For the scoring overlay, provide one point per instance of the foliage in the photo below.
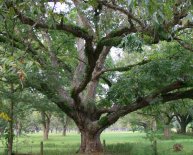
(4, 116)
(131, 43)
(60, 58)
(151, 136)
(143, 80)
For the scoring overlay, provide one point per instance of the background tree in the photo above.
(183, 114)
(64, 122)
(43, 107)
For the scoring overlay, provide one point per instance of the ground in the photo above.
(118, 143)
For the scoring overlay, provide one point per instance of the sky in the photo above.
(116, 53)
(58, 7)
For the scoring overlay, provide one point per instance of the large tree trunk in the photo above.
(65, 121)
(154, 125)
(167, 118)
(64, 130)
(167, 132)
(90, 143)
(46, 124)
(18, 128)
(56, 129)
(10, 132)
(183, 120)
(45, 133)
(183, 127)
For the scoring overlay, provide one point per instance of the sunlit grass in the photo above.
(117, 143)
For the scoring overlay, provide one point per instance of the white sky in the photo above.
(59, 7)
(116, 53)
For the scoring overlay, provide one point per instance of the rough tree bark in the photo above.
(183, 127)
(90, 142)
(46, 124)
(167, 131)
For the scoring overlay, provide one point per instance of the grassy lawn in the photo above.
(118, 143)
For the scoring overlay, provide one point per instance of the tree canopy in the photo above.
(67, 56)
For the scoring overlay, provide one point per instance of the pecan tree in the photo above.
(72, 47)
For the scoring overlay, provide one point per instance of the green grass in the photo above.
(118, 143)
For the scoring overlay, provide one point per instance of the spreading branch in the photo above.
(73, 29)
(120, 69)
(124, 11)
(63, 95)
(184, 45)
(84, 20)
(188, 25)
(115, 112)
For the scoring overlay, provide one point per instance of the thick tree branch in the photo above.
(120, 32)
(122, 10)
(107, 81)
(85, 21)
(169, 88)
(63, 95)
(92, 86)
(88, 71)
(184, 45)
(115, 112)
(126, 68)
(73, 29)
(178, 95)
(114, 38)
(188, 25)
(120, 69)
(76, 31)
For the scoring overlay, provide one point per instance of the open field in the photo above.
(118, 143)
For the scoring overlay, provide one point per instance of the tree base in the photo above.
(90, 144)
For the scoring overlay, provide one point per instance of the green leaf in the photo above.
(93, 3)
